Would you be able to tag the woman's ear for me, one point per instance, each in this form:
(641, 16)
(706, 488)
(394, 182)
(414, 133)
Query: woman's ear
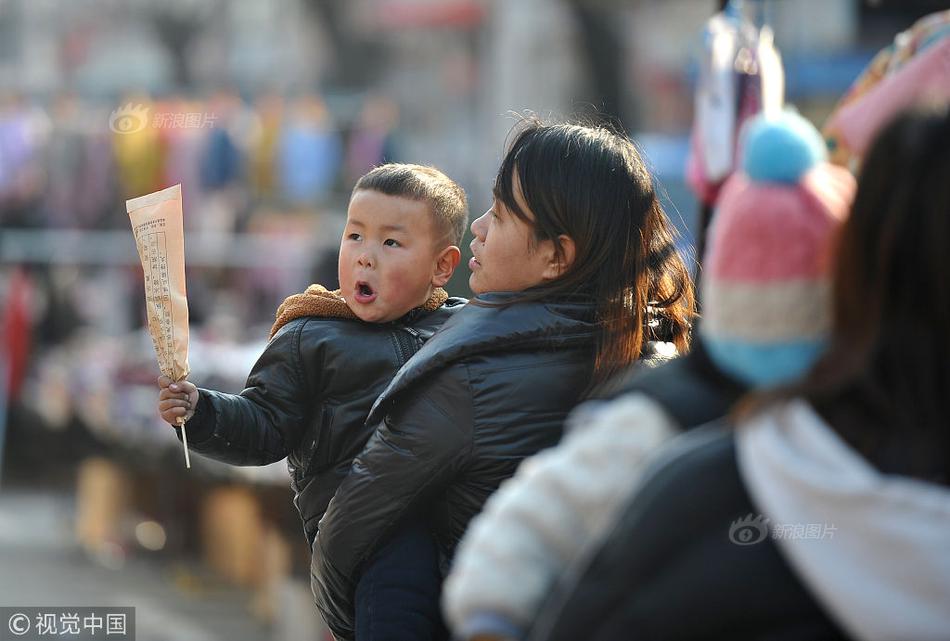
(445, 264)
(556, 268)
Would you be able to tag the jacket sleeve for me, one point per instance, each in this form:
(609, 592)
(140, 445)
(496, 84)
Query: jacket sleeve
(414, 453)
(264, 422)
(553, 510)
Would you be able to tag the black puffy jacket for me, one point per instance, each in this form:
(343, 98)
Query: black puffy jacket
(672, 568)
(307, 399)
(490, 389)
(691, 389)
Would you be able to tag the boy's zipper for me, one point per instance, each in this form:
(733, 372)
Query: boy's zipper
(406, 347)
(320, 447)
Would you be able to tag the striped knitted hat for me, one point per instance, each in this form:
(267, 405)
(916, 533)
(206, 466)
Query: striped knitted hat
(766, 286)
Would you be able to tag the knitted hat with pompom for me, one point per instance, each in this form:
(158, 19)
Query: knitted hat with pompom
(766, 275)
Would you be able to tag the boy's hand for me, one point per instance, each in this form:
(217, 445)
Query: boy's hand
(176, 400)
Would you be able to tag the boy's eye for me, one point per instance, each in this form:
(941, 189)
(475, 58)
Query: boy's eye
(353, 236)
(391, 242)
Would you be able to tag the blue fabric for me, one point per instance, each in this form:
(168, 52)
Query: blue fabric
(309, 162)
(938, 34)
(781, 149)
(397, 597)
(763, 364)
(221, 164)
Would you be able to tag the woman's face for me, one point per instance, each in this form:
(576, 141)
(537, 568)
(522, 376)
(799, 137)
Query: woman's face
(505, 255)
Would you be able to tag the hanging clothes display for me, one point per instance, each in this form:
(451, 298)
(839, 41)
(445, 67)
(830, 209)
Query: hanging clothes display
(24, 132)
(186, 156)
(221, 161)
(139, 156)
(63, 160)
(915, 67)
(373, 139)
(264, 146)
(310, 153)
(740, 75)
(94, 202)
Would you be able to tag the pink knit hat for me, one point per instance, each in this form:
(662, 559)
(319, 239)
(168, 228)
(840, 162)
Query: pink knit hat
(766, 281)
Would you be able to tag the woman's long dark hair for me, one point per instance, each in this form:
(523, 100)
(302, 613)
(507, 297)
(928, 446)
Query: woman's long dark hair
(591, 184)
(884, 382)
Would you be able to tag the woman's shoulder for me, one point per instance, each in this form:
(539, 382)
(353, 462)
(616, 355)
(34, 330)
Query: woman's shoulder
(486, 331)
(503, 319)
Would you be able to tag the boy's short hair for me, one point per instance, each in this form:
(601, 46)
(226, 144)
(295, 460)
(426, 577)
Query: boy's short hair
(446, 199)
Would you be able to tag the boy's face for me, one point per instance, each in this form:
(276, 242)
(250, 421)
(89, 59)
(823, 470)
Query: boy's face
(390, 259)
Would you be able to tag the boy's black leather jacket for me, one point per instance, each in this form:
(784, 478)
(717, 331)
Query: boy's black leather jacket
(307, 399)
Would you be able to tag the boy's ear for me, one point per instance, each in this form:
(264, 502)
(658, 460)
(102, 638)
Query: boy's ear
(445, 264)
(555, 267)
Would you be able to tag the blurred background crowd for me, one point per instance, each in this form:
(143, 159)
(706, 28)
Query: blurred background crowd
(266, 113)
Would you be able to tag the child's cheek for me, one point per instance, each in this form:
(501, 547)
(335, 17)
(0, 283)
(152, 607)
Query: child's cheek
(398, 281)
(403, 279)
(345, 265)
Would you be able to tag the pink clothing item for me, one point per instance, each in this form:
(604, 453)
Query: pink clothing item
(772, 231)
(766, 288)
(924, 77)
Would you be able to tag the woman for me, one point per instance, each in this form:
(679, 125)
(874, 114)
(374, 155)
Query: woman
(566, 262)
(825, 514)
(774, 227)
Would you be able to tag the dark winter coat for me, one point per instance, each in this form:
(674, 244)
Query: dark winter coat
(677, 566)
(490, 389)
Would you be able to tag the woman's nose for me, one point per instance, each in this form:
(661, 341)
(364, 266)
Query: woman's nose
(480, 226)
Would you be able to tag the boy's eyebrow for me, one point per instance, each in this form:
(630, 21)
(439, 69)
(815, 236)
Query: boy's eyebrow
(383, 228)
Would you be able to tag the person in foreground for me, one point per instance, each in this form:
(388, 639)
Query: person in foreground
(566, 261)
(331, 354)
(824, 514)
(765, 289)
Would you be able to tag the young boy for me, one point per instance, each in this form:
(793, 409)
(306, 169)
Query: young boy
(332, 353)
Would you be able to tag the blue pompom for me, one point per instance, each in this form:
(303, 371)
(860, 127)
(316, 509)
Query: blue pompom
(782, 148)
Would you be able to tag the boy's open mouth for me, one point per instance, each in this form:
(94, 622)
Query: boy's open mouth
(364, 292)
